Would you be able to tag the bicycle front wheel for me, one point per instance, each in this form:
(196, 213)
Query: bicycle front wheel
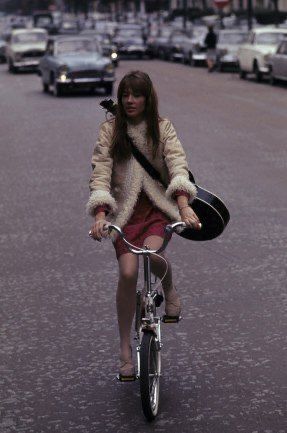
(150, 368)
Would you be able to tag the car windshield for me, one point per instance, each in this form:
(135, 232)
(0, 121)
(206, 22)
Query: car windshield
(44, 21)
(269, 38)
(137, 41)
(69, 25)
(178, 39)
(127, 33)
(75, 46)
(27, 38)
(198, 32)
(232, 38)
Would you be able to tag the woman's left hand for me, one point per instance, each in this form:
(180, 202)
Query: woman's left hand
(189, 217)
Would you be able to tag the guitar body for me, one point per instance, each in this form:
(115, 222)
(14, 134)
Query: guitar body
(211, 211)
(212, 214)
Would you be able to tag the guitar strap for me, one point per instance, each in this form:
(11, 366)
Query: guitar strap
(149, 168)
(144, 162)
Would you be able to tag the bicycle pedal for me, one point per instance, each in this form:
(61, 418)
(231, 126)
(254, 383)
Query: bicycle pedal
(121, 378)
(171, 319)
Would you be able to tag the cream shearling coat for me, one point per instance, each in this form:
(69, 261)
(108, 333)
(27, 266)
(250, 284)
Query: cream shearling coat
(118, 184)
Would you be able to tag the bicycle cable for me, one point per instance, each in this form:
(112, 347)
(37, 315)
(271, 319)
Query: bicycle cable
(161, 257)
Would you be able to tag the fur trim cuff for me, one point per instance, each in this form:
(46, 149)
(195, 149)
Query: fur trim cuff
(99, 198)
(181, 183)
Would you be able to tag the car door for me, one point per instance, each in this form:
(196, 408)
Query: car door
(245, 53)
(280, 64)
(45, 62)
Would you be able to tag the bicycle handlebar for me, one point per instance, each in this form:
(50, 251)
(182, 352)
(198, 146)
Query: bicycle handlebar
(169, 229)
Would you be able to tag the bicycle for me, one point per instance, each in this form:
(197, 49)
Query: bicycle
(147, 326)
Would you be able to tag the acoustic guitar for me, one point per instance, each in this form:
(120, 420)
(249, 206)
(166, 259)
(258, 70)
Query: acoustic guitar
(210, 209)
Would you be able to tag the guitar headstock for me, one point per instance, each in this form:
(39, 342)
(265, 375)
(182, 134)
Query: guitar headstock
(109, 105)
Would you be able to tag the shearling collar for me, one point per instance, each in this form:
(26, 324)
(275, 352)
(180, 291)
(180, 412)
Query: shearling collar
(138, 134)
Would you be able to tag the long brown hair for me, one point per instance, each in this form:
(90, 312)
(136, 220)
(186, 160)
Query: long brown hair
(138, 82)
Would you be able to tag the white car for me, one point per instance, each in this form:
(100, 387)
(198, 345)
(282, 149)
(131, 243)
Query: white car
(25, 47)
(227, 47)
(253, 56)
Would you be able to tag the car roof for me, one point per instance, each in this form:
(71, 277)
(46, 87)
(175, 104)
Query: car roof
(233, 31)
(268, 29)
(57, 38)
(37, 30)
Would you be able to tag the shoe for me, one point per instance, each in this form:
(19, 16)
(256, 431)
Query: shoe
(127, 369)
(173, 305)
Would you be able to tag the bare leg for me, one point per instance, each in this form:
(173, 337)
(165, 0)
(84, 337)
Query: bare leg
(158, 267)
(126, 300)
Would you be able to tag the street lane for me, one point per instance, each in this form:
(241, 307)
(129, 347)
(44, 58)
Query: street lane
(224, 365)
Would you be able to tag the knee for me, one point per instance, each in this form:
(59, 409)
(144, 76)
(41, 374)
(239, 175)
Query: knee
(159, 261)
(128, 277)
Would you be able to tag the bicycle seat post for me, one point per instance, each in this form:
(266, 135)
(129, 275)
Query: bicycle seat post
(147, 271)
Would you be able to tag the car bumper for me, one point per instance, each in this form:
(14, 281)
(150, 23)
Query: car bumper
(177, 56)
(94, 81)
(264, 69)
(229, 60)
(127, 52)
(199, 57)
(27, 63)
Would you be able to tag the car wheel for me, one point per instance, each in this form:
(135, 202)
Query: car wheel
(220, 67)
(11, 67)
(257, 73)
(57, 89)
(242, 74)
(45, 87)
(272, 79)
(109, 88)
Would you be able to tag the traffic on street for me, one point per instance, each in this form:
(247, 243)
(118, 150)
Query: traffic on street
(224, 363)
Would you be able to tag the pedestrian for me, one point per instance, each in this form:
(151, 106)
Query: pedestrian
(123, 193)
(210, 42)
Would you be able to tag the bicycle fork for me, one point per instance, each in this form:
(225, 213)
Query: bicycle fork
(150, 322)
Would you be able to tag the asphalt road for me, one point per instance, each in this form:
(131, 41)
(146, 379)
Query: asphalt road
(224, 365)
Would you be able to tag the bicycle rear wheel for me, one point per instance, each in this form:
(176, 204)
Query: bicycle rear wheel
(150, 368)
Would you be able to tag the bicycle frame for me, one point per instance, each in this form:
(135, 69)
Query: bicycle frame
(147, 327)
(151, 322)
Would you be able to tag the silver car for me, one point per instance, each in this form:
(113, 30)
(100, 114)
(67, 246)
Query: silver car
(278, 63)
(73, 62)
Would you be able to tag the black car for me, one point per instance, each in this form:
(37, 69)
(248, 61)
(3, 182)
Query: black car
(134, 47)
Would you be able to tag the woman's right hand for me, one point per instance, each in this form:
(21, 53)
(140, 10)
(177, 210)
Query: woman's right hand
(98, 229)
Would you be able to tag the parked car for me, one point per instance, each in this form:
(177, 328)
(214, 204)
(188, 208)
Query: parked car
(278, 63)
(75, 62)
(24, 48)
(108, 49)
(70, 27)
(253, 56)
(48, 20)
(158, 41)
(194, 49)
(227, 47)
(133, 47)
(174, 47)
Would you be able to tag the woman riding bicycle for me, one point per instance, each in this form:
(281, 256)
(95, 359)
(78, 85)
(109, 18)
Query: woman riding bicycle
(123, 193)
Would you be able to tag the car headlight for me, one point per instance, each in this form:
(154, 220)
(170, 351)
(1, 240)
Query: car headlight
(266, 58)
(109, 68)
(223, 52)
(18, 57)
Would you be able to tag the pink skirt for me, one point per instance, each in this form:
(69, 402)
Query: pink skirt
(145, 221)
